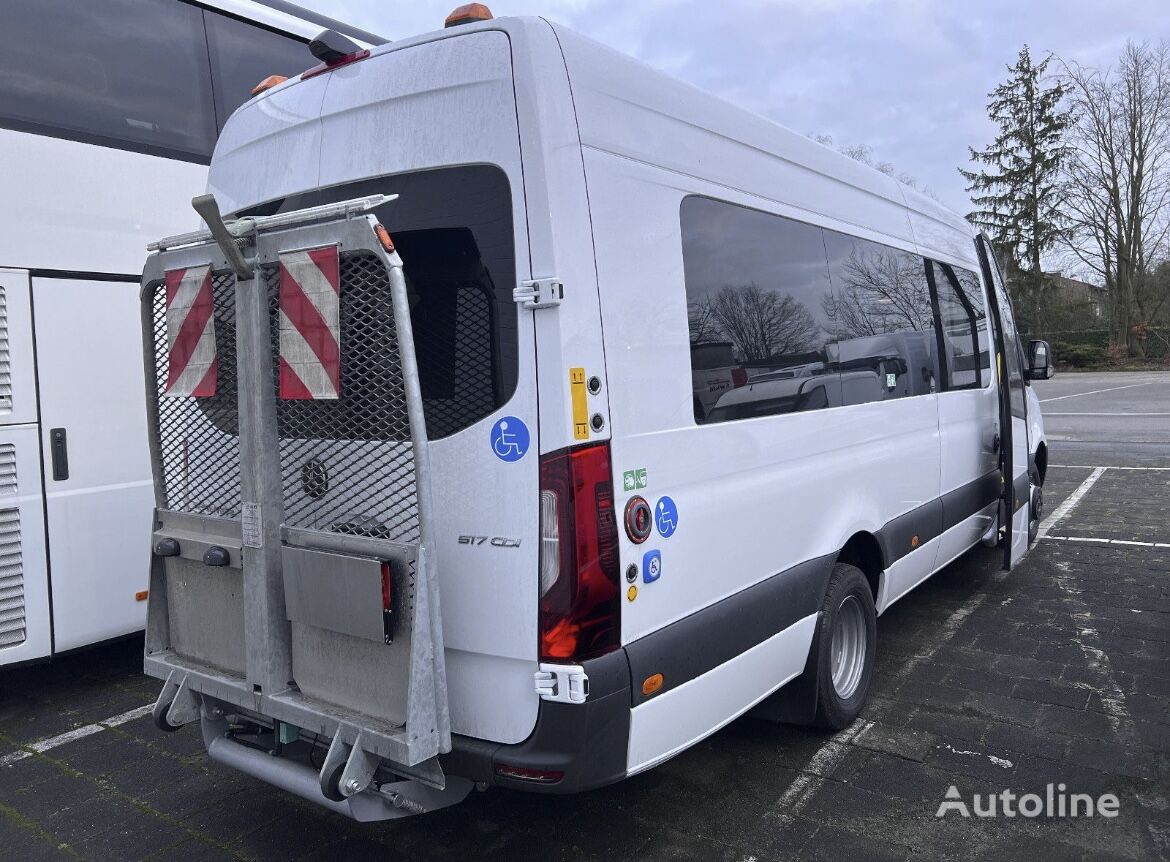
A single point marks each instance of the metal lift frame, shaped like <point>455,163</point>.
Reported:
<point>255,544</point>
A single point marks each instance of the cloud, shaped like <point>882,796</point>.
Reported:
<point>907,77</point>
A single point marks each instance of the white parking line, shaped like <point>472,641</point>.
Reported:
<point>1093,467</point>
<point>1068,505</point>
<point>1102,541</point>
<point>814,775</point>
<point>1099,391</point>
<point>77,733</point>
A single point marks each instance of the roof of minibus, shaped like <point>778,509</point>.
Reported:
<point>629,109</point>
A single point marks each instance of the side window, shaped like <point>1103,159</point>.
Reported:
<point>963,337</point>
<point>758,304</point>
<point>882,311</point>
<point>1014,358</point>
<point>125,73</point>
<point>242,55</point>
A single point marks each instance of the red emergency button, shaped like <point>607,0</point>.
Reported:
<point>639,520</point>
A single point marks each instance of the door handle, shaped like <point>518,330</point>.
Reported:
<point>59,452</point>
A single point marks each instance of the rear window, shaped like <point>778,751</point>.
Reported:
<point>453,230</point>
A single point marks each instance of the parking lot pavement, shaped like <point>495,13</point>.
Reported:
<point>1111,418</point>
<point>1057,673</point>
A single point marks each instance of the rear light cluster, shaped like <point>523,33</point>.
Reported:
<point>580,597</point>
<point>739,377</point>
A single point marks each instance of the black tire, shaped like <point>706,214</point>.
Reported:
<point>160,721</point>
<point>1035,508</point>
<point>331,785</point>
<point>847,584</point>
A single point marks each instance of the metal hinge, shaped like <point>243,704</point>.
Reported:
<point>564,683</point>
<point>539,293</point>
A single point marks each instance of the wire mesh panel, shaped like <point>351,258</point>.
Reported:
<point>199,438</point>
<point>347,464</point>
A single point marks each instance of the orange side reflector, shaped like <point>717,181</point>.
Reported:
<point>383,236</point>
<point>268,83</point>
<point>468,14</point>
<point>141,595</point>
<point>652,684</point>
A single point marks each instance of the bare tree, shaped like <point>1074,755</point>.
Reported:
<point>881,292</point>
<point>701,322</point>
<point>763,323</point>
<point>864,153</point>
<point>1119,181</point>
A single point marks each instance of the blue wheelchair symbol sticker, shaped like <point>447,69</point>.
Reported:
<point>509,439</point>
<point>666,517</point>
<point>651,566</point>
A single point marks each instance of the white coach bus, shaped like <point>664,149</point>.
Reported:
<point>108,114</point>
<point>450,499</point>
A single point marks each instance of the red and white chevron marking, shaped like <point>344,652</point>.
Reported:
<point>310,334</point>
<point>192,361</point>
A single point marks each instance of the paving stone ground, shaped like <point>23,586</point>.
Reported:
<point>1056,673</point>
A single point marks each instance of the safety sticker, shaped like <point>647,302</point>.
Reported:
<point>666,517</point>
<point>310,329</point>
<point>651,566</point>
<point>509,438</point>
<point>192,361</point>
<point>580,403</point>
<point>252,525</point>
<point>633,480</point>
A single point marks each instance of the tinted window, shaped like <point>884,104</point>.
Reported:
<point>453,229</point>
<point>243,55</point>
<point>882,310</point>
<point>1014,358</point>
<point>757,302</point>
<point>122,72</point>
<point>964,326</point>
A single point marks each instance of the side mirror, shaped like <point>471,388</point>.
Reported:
<point>1040,365</point>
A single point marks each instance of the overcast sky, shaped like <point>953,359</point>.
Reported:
<point>907,77</point>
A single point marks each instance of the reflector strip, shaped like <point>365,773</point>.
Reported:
<point>310,334</point>
<point>192,362</point>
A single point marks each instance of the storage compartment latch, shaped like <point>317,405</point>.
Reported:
<point>564,683</point>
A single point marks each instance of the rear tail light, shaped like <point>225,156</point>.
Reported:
<point>388,602</point>
<point>738,377</point>
<point>580,598</point>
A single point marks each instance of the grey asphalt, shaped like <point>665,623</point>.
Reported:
<point>1108,418</point>
<point>1057,673</point>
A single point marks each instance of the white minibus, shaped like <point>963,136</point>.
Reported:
<point>446,495</point>
<point>108,114</point>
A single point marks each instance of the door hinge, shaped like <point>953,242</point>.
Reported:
<point>539,293</point>
<point>564,683</point>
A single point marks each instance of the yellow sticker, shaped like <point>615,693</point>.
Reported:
<point>580,404</point>
<point>632,593</point>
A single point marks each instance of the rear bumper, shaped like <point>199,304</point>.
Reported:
<point>588,741</point>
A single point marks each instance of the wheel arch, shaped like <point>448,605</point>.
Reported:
<point>1041,460</point>
<point>865,552</point>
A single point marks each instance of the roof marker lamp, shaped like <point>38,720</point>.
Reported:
<point>268,83</point>
<point>469,13</point>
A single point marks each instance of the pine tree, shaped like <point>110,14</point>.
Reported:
<point>1017,188</point>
